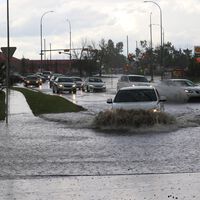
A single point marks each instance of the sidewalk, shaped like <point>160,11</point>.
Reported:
<point>183,186</point>
<point>18,104</point>
<point>124,187</point>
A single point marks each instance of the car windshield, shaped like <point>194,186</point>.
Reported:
<point>137,95</point>
<point>46,73</point>
<point>77,79</point>
<point>184,83</point>
<point>65,80</point>
<point>137,79</point>
<point>32,77</point>
<point>95,80</point>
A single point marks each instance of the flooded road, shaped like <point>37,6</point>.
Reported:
<point>67,144</point>
<point>61,156</point>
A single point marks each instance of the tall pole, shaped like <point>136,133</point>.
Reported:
<point>8,63</point>
<point>50,51</point>
<point>70,42</point>
<point>41,51</point>
<point>161,39</point>
<point>127,45</point>
<point>151,46</point>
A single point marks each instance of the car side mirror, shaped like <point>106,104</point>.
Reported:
<point>109,101</point>
<point>163,99</point>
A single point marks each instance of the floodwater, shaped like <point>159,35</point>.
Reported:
<point>67,145</point>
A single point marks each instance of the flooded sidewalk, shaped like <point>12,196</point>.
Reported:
<point>118,187</point>
<point>18,103</point>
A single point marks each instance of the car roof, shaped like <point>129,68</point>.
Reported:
<point>137,87</point>
<point>135,75</point>
<point>177,79</point>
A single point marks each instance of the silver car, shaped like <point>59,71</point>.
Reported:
<point>92,84</point>
<point>132,80</point>
<point>62,84</point>
<point>182,89</point>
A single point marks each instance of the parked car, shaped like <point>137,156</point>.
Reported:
<point>47,74</point>
<point>138,97</point>
<point>132,80</point>
<point>53,78</point>
<point>32,80</point>
<point>16,78</point>
<point>92,84</point>
<point>41,77</point>
<point>79,82</point>
<point>63,83</point>
<point>180,88</point>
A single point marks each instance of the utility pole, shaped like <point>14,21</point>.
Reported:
<point>127,45</point>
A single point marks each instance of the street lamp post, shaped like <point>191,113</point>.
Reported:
<point>161,42</point>
<point>151,46</point>
<point>70,42</point>
<point>41,51</point>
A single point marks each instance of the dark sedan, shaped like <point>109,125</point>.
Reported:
<point>32,81</point>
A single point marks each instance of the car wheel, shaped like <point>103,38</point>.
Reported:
<point>53,90</point>
<point>88,89</point>
<point>74,92</point>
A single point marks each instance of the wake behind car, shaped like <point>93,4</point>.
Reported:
<point>62,84</point>
<point>182,90</point>
<point>132,80</point>
<point>32,80</point>
<point>137,97</point>
<point>92,84</point>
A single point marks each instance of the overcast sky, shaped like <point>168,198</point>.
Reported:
<point>97,19</point>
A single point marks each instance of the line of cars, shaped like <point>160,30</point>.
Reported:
<point>37,79</point>
<point>60,83</point>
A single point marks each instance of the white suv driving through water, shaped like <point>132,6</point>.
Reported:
<point>138,97</point>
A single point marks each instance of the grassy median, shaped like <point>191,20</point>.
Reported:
<point>41,103</point>
<point>2,105</point>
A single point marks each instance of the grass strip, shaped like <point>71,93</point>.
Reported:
<point>41,103</point>
<point>2,105</point>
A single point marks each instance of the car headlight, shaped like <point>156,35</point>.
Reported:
<point>28,81</point>
<point>74,85</point>
<point>60,85</point>
<point>91,86</point>
<point>188,91</point>
<point>156,110</point>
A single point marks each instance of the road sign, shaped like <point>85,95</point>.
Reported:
<point>11,51</point>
